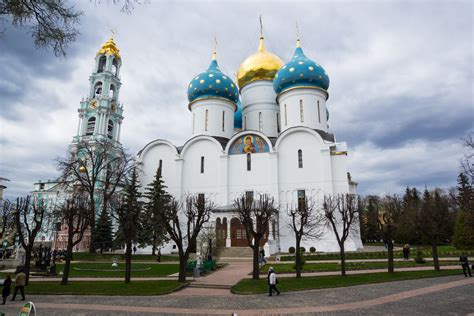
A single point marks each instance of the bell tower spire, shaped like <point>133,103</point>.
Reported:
<point>100,113</point>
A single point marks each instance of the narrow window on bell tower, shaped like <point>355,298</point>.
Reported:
<point>90,126</point>
<point>110,129</point>
<point>223,121</point>
<point>301,111</point>
<point>202,164</point>
<point>260,121</point>
<point>319,113</point>
<point>206,120</point>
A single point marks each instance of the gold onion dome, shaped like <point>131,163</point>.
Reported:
<point>110,48</point>
<point>262,65</point>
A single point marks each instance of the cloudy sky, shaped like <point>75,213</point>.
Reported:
<point>401,73</point>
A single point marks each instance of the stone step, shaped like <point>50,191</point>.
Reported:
<point>234,252</point>
<point>210,286</point>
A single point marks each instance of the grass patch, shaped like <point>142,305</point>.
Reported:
<point>86,256</point>
<point>141,288</point>
<point>326,267</point>
<point>249,286</point>
<point>156,270</point>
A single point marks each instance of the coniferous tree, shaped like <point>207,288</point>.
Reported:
<point>102,239</point>
<point>369,220</point>
<point>463,237</point>
<point>407,231</point>
<point>153,232</point>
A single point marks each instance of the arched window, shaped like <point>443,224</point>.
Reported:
<point>112,91</point>
<point>278,123</point>
<point>301,111</point>
<point>202,164</point>
<point>102,62</point>
<point>115,67</point>
<point>160,167</point>
<point>90,126</point>
<point>245,122</point>
<point>300,158</point>
<point>319,113</point>
<point>249,162</point>
<point>110,129</point>
<point>206,120</point>
<point>223,121</point>
<point>98,90</point>
<point>260,121</point>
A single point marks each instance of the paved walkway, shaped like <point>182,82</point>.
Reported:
<point>443,295</point>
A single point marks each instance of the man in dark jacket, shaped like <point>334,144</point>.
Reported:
<point>465,265</point>
<point>6,288</point>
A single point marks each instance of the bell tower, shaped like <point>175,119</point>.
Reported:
<point>100,113</point>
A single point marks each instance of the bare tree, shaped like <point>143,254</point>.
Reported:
<point>341,212</point>
<point>389,211</point>
<point>255,215</point>
<point>183,224</point>
<point>75,214</point>
<point>467,162</point>
<point>29,216</point>
<point>127,209</point>
<point>99,168</point>
<point>7,218</point>
<point>307,222</point>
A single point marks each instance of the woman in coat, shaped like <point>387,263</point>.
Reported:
<point>6,288</point>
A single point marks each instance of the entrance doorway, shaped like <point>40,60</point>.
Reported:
<point>221,232</point>
<point>238,235</point>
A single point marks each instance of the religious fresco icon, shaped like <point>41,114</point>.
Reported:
<point>249,144</point>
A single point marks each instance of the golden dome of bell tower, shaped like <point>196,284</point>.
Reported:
<point>261,65</point>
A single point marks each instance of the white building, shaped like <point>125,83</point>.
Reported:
<point>269,136</point>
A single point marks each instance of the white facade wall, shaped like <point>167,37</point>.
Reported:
<point>216,124</point>
<point>259,97</point>
<point>299,107</point>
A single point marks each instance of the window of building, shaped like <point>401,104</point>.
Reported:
<point>110,129</point>
<point>286,116</point>
<point>112,91</point>
<point>301,199</point>
<point>301,111</point>
<point>319,114</point>
<point>201,200</point>
<point>249,162</point>
<point>223,121</point>
<point>160,167</point>
<point>278,123</point>
<point>102,62</point>
<point>202,164</point>
<point>249,195</point>
<point>98,90</point>
<point>90,126</point>
<point>41,186</point>
<point>206,120</point>
<point>260,121</point>
<point>300,158</point>
<point>245,122</point>
<point>115,67</point>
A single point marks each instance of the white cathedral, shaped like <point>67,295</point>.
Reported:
<point>267,135</point>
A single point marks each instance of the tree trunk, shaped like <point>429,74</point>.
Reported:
<point>92,225</point>
<point>153,249</point>
<point>67,264</point>
<point>183,260</point>
<point>343,259</point>
<point>298,258</point>
<point>256,266</point>
<point>128,261</point>
<point>28,262</point>
<point>434,250</point>
<point>390,256</point>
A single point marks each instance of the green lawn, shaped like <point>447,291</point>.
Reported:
<point>86,256</point>
<point>105,288</point>
<point>249,286</point>
<point>324,267</point>
<point>156,270</point>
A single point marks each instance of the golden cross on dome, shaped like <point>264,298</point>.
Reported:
<point>215,48</point>
<point>298,44</point>
<point>113,31</point>
<point>261,27</point>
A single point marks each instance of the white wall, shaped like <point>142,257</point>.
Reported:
<point>259,97</point>
<point>214,108</point>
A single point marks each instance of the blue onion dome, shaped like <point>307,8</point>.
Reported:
<point>300,71</point>
<point>212,84</point>
<point>238,116</point>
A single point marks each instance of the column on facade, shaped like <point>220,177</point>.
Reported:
<point>227,240</point>
<point>79,131</point>
<point>270,230</point>
<point>118,130</point>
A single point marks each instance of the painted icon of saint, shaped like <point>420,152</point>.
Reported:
<point>237,146</point>
<point>249,147</point>
<point>260,144</point>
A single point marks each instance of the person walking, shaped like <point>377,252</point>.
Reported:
<point>465,265</point>
<point>20,281</point>
<point>6,288</point>
<point>406,252</point>
<point>272,282</point>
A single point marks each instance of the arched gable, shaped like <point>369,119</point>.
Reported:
<point>297,129</point>
<point>155,143</point>
<point>197,139</point>
<point>240,138</point>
